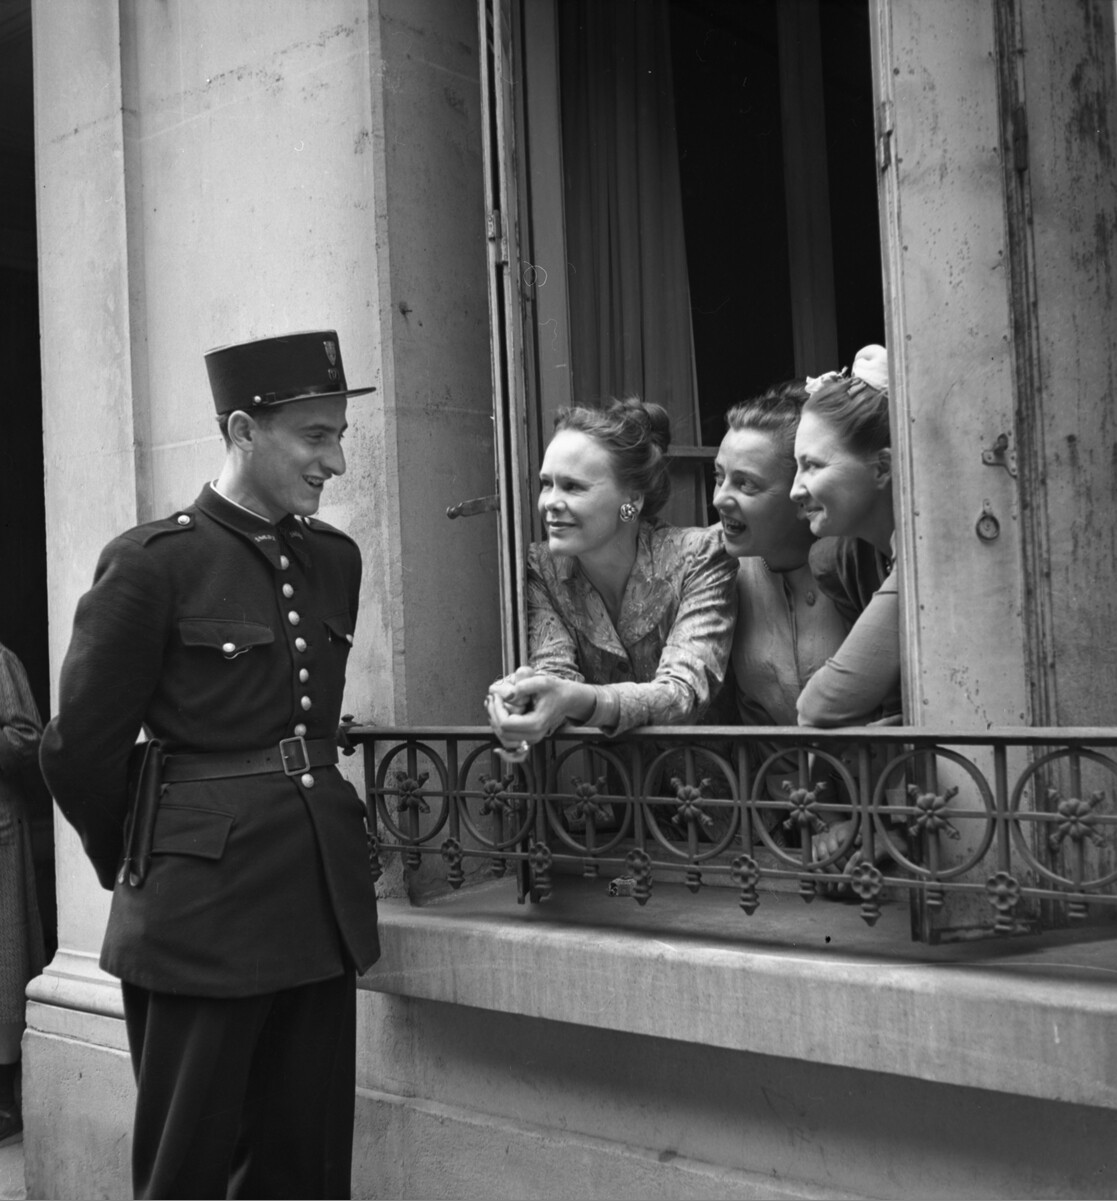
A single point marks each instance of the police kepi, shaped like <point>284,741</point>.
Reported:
<point>271,371</point>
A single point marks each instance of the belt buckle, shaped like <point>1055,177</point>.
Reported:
<point>294,748</point>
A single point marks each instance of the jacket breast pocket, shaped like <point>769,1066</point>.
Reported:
<point>183,830</point>
<point>230,638</point>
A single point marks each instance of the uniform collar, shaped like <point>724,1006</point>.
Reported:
<point>270,540</point>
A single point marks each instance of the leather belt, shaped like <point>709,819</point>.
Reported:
<point>292,756</point>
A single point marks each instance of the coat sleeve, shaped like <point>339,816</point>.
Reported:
<point>20,726</point>
<point>863,677</point>
<point>109,675</point>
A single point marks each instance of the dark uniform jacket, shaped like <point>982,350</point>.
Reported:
<point>216,631</point>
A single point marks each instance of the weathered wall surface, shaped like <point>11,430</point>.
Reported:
<point>528,1109</point>
<point>434,324</point>
<point>996,126</point>
<point>999,203</point>
<point>950,342</point>
<point>1066,422</point>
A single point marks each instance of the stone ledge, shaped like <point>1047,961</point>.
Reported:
<point>460,1148</point>
<point>1034,1016</point>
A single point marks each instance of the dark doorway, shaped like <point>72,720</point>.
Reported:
<point>23,598</point>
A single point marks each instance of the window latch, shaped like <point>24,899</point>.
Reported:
<point>999,455</point>
<point>470,508</point>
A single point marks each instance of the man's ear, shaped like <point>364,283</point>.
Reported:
<point>242,430</point>
<point>884,467</point>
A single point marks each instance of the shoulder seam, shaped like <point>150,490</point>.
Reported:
<point>149,530</point>
<point>317,526</point>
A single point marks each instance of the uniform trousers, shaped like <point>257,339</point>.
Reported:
<point>243,1097</point>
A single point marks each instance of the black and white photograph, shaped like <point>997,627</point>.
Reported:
<point>558,599</point>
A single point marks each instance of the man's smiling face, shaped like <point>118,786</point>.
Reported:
<point>293,453</point>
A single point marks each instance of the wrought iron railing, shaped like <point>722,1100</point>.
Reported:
<point>1003,829</point>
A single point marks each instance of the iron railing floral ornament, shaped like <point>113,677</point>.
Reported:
<point>1003,821</point>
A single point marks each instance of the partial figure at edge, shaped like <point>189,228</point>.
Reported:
<point>21,936</point>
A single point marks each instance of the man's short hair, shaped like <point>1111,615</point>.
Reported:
<point>262,417</point>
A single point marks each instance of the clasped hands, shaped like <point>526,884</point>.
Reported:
<point>527,706</point>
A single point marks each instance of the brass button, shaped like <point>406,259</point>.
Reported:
<point>228,647</point>
<point>300,644</point>
<point>306,702</point>
<point>810,598</point>
<point>183,519</point>
<point>288,590</point>
<point>293,618</point>
<point>284,562</point>
<point>300,730</point>
<point>349,639</point>
<point>307,781</point>
<point>304,675</point>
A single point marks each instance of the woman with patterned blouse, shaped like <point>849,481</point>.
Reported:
<point>630,621</point>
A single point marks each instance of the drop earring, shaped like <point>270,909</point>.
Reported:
<point>629,512</point>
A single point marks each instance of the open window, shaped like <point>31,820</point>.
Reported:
<point>682,205</point>
<point>785,226</point>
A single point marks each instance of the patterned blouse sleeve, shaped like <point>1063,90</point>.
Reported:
<point>20,727</point>
<point>551,646</point>
<point>693,662</point>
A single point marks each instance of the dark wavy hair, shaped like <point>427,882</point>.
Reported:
<point>636,435</point>
<point>774,412</point>
<point>857,411</point>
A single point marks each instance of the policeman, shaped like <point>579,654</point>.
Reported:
<point>246,903</point>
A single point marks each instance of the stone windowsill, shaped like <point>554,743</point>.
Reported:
<point>1035,1015</point>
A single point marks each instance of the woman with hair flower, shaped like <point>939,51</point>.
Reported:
<point>843,484</point>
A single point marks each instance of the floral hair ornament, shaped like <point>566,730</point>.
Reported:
<point>870,369</point>
<point>870,366</point>
<point>812,383</point>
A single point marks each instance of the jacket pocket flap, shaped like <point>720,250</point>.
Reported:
<point>180,830</point>
<point>229,637</point>
<point>340,626</point>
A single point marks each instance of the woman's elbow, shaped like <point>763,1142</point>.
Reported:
<point>812,714</point>
<point>815,708</point>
